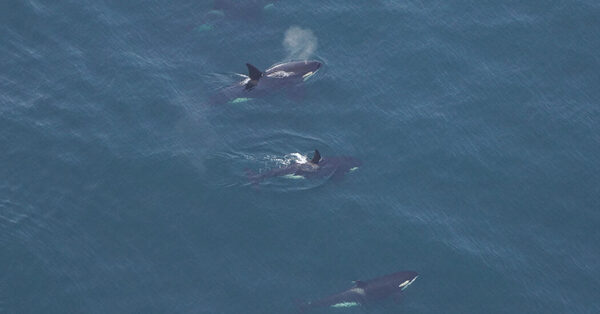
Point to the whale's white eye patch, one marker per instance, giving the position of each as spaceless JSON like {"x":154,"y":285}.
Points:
{"x":307,"y":75}
{"x":407,"y":283}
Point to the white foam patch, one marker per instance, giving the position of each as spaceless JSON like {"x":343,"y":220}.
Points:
{"x":360,"y":291}
{"x":299,"y":158}
{"x":299,"y":43}
{"x":240,"y":99}
{"x":245,"y":80}
{"x":346,"y":304}
{"x":280,"y":74}
{"x":293,"y":176}
{"x":288,"y":159}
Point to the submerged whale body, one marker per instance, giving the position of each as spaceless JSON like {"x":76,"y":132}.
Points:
{"x":241,"y":9}
{"x":258,"y":83}
{"x":317,"y":167}
{"x":391,"y":285}
{"x":234,"y":9}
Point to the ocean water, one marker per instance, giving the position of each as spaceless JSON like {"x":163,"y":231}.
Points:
{"x":123,"y":191}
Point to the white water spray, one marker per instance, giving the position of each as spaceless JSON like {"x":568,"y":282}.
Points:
{"x":299,"y":43}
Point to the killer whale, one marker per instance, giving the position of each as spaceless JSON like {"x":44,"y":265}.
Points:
{"x":260,"y":83}
{"x":317,"y":167}
{"x":362,"y":292}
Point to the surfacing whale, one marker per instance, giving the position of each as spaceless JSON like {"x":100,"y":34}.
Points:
{"x":362,"y":292}
{"x":258,"y":83}
{"x":317,"y":167}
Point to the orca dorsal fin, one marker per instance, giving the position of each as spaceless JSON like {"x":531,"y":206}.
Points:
{"x":254,"y":73}
{"x":360,"y":284}
{"x":316,"y":157}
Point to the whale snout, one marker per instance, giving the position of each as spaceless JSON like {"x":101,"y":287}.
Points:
{"x":350,"y":164}
{"x":355,"y":163}
{"x":412,"y":274}
{"x":315,"y":65}
{"x":311,"y":66}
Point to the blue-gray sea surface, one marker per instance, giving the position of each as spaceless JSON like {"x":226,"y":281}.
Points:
{"x":123,"y":191}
